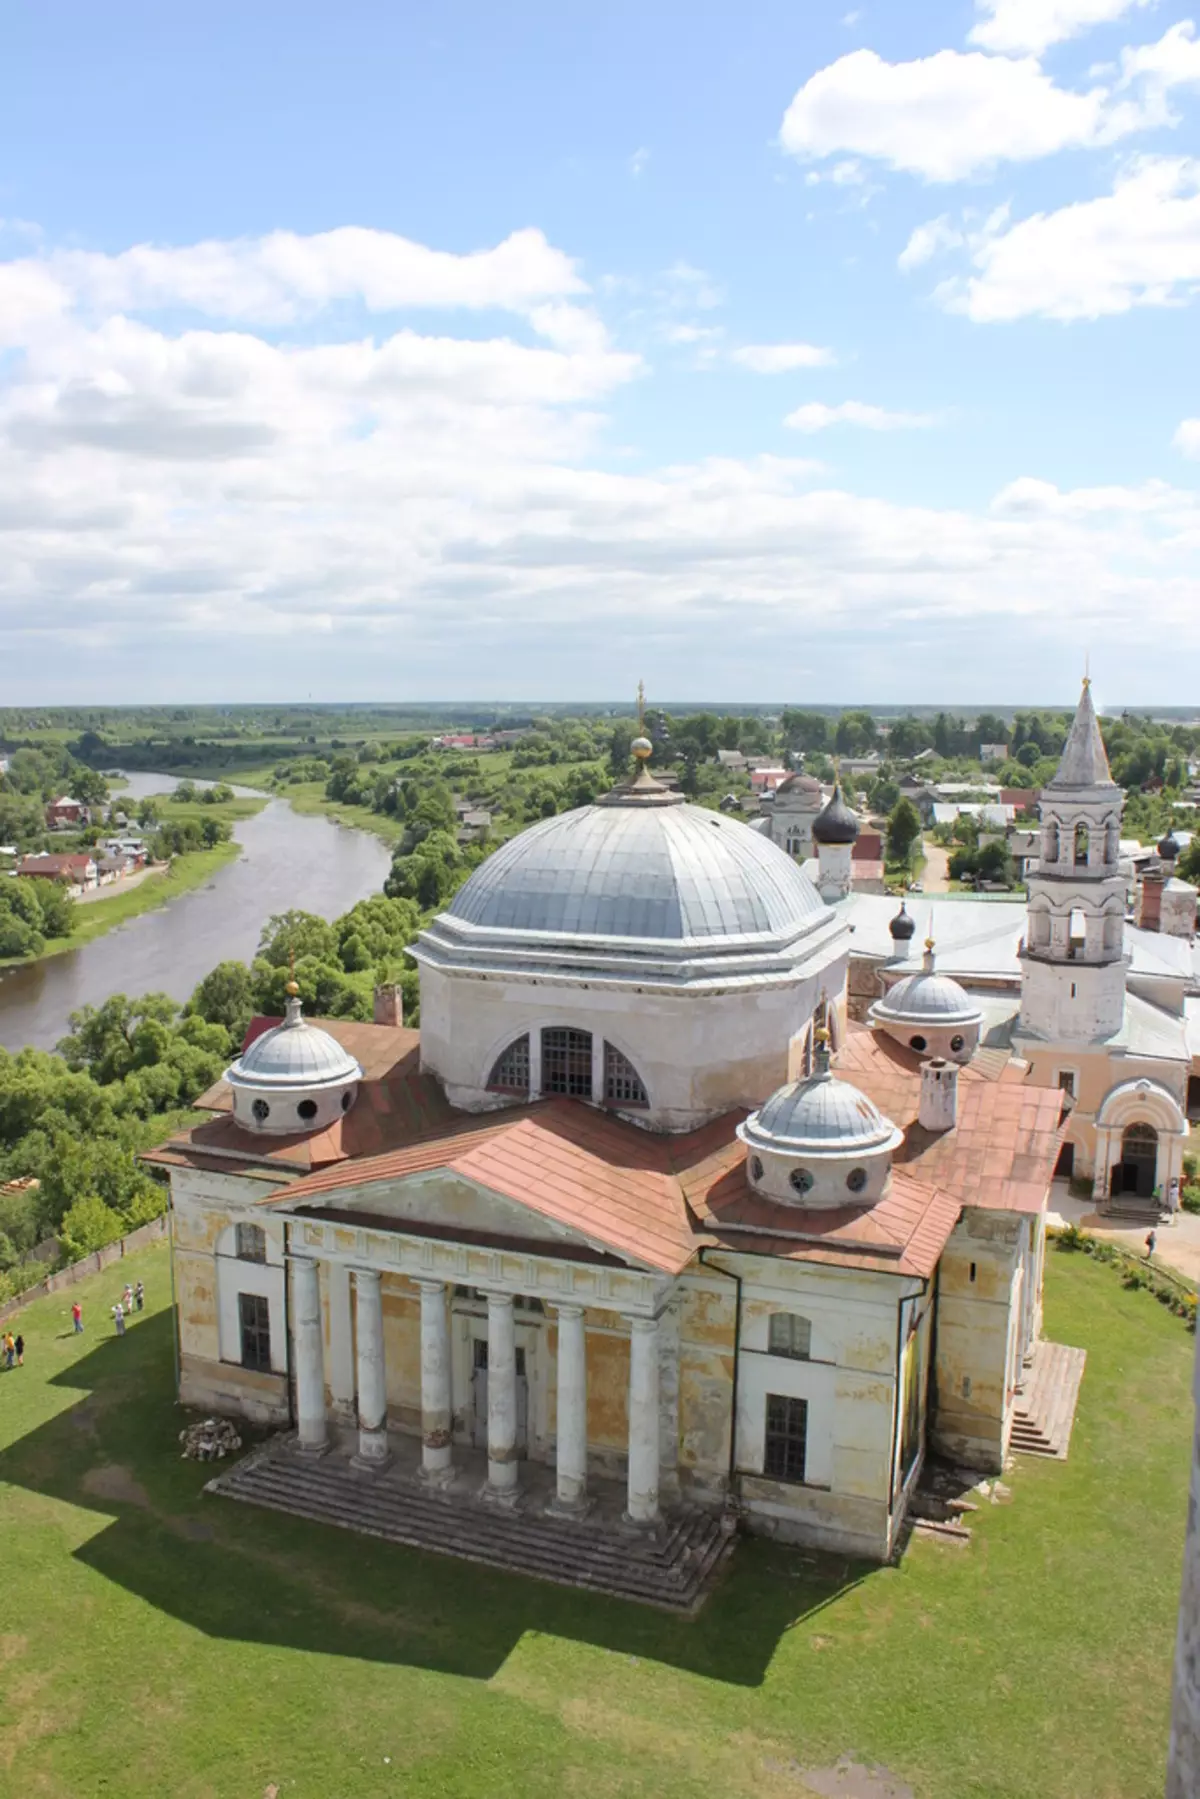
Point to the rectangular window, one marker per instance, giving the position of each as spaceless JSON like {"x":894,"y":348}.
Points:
{"x":790,"y":1335}
{"x":254,"y":1313}
{"x":567,"y":1063}
{"x":251,"y":1243}
{"x":1066,"y":1082}
{"x":787,"y":1437}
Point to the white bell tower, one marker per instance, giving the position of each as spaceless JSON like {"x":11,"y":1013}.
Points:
{"x":1073,"y":957}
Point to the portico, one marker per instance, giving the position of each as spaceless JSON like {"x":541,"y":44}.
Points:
{"x":392,"y":1267}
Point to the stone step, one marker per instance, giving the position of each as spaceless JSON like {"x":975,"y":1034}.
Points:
{"x":1045,"y":1411}
{"x":672,"y":1567}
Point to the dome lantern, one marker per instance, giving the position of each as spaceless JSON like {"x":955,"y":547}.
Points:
{"x":930,"y":1013}
{"x":294,"y":1078}
{"x":819,"y":1142}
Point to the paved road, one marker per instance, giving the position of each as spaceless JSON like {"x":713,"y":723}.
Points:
{"x":122,"y":886}
{"x":1178,"y":1243}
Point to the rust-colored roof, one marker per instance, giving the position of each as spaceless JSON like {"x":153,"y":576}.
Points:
{"x":1002,"y":1151}
{"x":377,"y":1048}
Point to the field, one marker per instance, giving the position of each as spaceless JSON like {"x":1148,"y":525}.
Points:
{"x":158,"y":1640}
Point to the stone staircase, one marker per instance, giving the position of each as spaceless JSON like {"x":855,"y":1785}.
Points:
{"x":672,"y":1567}
{"x":1046,"y":1400}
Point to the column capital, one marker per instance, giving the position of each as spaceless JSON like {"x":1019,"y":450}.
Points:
{"x":642,"y":1326}
{"x":368,"y":1275}
{"x":568,"y":1309}
{"x":500,"y":1301}
{"x":429,"y":1284}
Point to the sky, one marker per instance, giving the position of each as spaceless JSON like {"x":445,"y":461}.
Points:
{"x":764,"y":352}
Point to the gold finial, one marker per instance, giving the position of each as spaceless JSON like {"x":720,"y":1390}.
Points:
{"x":641,"y":708}
{"x":1087,"y":668}
{"x":293,"y":986}
{"x":641,"y":746}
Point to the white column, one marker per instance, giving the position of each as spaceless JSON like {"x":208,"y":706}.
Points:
{"x":571,"y":1493}
{"x":502,"y":1397}
{"x":435,"y":1382}
{"x":372,"y":1378}
{"x":310,"y":1361}
{"x":642,"y":1502}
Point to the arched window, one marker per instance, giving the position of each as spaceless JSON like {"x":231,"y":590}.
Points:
{"x":251,"y":1243}
{"x":1050,"y":843}
{"x":790,"y":1335}
{"x":1139,"y":1161}
{"x":510,"y":1072}
{"x":623,"y":1085}
{"x":567,"y":1063}
{"x":1081,"y":845}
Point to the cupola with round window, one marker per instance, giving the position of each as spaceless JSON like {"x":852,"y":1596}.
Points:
{"x":819,"y":1142}
{"x":930,"y":1014}
{"x":294,"y":1078}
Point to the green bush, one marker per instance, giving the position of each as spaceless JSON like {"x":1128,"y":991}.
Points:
{"x":1189,"y":1199}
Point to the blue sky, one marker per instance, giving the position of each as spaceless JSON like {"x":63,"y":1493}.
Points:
{"x":766,"y":352}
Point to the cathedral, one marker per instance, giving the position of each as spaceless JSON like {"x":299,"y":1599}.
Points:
{"x":642,"y":1227}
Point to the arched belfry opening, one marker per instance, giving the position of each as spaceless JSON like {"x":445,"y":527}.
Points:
{"x":1082,"y":838}
{"x":1137,"y":1171}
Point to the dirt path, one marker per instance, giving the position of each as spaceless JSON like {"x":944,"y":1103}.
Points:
{"x":934,"y":876}
{"x":122,"y":886}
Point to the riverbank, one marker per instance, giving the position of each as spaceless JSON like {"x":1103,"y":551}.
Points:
{"x":159,"y":888}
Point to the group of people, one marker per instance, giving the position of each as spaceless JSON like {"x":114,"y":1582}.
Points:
{"x":14,"y":1350}
{"x":132,"y":1300}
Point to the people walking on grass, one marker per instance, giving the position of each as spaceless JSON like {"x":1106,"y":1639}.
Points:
{"x":127,"y":1299}
{"x":77,"y":1318}
{"x":119,"y":1318}
{"x":1151,"y":1240}
{"x":19,"y":1346}
{"x":139,"y":1294}
{"x":10,"y":1349}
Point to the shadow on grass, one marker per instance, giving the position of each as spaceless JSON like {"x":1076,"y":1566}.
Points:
{"x":262,"y":1577}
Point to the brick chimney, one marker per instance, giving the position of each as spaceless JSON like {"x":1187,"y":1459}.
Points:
{"x":939,"y":1095}
{"x":389,"y":1004}
{"x":1149,"y":900}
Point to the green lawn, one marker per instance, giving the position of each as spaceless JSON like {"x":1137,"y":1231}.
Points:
{"x":160,"y":1641}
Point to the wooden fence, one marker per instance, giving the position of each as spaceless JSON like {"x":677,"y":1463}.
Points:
{"x":89,"y":1264}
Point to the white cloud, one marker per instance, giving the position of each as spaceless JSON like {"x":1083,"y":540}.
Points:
{"x":945,"y":116}
{"x":932,"y":239}
{"x":816,"y":416}
{"x":1187,"y":439}
{"x":1174,"y":61}
{"x":692,"y":334}
{"x":1137,"y":246}
{"x":199,"y":505}
{"x":1027,"y":27}
{"x":638,"y":161}
{"x":776,"y":359}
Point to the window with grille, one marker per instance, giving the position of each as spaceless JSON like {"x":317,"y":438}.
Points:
{"x":567,"y":1063}
{"x":254,"y":1314}
{"x":510,"y":1073}
{"x":787,"y":1437}
{"x":623,"y":1084}
{"x":790,"y":1335}
{"x":251,"y":1243}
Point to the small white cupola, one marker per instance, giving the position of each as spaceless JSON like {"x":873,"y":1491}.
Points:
{"x":819,"y":1142}
{"x":294,"y":1078}
{"x":930,"y":1013}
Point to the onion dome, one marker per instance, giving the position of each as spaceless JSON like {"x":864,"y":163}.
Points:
{"x":903,"y":926}
{"x":835,"y":823}
{"x":293,"y":1078}
{"x":1169,"y":846}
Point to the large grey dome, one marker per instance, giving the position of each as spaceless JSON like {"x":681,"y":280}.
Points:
{"x":293,"y":1054}
{"x":926,"y":998}
{"x":819,"y":1116}
{"x":670,"y":873}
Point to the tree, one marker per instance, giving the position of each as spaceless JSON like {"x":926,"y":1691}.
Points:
{"x":102,"y":1038}
{"x":299,"y":934}
{"x":89,"y":1224}
{"x":804,"y":730}
{"x":383,"y":926}
{"x":226,"y":997}
{"x":904,"y":830}
{"x":909,"y":736}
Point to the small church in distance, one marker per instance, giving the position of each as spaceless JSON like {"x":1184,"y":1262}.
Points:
{"x":642,"y":1235}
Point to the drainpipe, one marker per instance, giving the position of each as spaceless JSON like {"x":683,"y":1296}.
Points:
{"x":174,"y":1301}
{"x":731,"y":1475}
{"x":287,"y":1322}
{"x":912,"y":1299}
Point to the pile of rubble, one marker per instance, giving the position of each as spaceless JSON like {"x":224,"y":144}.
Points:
{"x":209,"y":1441}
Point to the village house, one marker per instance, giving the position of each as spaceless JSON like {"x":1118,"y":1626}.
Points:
{"x":641,"y":1225}
{"x":78,"y":873}
{"x":66,"y":814}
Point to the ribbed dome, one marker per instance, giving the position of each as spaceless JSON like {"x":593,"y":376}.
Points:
{"x":819,"y":1116}
{"x":903,"y":926}
{"x":665,"y":873}
{"x":835,"y":823}
{"x":926,"y":998}
{"x":294,"y":1054}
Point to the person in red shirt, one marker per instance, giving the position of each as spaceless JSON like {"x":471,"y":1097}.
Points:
{"x":77,"y":1317}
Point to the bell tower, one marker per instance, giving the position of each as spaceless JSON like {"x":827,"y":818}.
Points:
{"x":1073,"y":957}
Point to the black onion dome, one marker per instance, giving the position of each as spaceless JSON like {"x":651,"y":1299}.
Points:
{"x":835,"y":823}
{"x":1168,"y":847}
{"x":903,"y":926}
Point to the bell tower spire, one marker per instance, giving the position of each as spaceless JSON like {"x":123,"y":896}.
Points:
{"x":1073,"y":956}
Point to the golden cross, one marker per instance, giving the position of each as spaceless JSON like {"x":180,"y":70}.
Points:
{"x":641,"y":708}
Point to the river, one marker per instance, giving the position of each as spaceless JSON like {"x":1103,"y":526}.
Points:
{"x":287,"y":860}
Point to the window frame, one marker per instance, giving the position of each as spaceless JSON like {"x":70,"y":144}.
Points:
{"x":785,"y":1439}
{"x":243,"y":1232}
{"x":619,"y":1070}
{"x":255,"y":1330}
{"x":781,"y":1324}
{"x":571,"y":1052}
{"x":514,"y":1050}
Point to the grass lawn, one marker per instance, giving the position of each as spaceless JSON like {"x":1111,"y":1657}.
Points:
{"x":158,"y":1640}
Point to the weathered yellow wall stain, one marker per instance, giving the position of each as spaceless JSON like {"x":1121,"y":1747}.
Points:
{"x":608,"y":1391}
{"x":705,"y":1396}
{"x":707,"y":1317}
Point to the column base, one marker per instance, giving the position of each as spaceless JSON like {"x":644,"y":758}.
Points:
{"x":437,"y":1477}
{"x":509,"y":1499}
{"x":641,"y":1527}
{"x":574,"y":1510}
{"x":370,"y":1464}
{"x":310,"y":1451}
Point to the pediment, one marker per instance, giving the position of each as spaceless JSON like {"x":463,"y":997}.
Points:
{"x":449,"y":1202}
